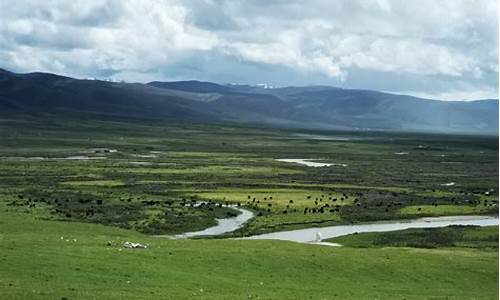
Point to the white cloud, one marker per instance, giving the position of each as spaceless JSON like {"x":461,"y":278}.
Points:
{"x":146,"y":34}
{"x":455,"y":95}
{"x":455,"y":41}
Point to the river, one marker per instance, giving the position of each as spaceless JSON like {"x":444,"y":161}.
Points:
{"x":309,"y":234}
{"x":223,"y":225}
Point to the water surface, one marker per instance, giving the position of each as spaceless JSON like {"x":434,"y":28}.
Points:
{"x":223,"y":225}
{"x":308,"y":235}
{"x":309,"y":162}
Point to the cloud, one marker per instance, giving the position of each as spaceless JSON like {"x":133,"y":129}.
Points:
{"x":428,"y":47}
{"x":464,"y":94}
{"x":91,"y":36}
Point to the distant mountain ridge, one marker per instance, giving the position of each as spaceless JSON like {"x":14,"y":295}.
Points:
{"x":45,"y":94}
{"x":194,"y":86}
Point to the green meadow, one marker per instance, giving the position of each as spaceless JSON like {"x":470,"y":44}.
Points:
{"x":43,"y":259}
{"x":72,"y":192}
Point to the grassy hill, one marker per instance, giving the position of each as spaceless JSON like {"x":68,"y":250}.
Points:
{"x":59,"y":260}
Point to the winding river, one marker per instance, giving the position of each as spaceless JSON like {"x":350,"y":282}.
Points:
{"x":308,"y":235}
{"x":223,"y":225}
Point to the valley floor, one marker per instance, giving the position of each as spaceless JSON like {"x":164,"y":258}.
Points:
{"x":71,"y":192}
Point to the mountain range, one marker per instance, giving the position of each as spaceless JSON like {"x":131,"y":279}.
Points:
{"x":35,"y":95}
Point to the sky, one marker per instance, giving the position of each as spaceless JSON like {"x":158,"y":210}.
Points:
{"x":446,"y":49}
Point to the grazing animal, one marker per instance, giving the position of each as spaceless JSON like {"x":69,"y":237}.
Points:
{"x":319,"y":237}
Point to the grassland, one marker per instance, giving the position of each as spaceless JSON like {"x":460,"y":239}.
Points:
{"x":443,"y":210}
{"x":43,"y":259}
{"x":143,"y":175}
{"x":484,"y":238}
{"x":68,"y":187}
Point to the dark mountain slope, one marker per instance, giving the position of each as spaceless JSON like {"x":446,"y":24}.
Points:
{"x":328,"y":107}
{"x":371,"y":109}
{"x":193,"y":86}
{"x":41,"y":94}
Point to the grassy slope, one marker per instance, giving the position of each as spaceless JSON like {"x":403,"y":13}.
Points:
{"x":37,"y":263}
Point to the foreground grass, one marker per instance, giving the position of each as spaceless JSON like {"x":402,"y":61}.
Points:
{"x":57,"y":260}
